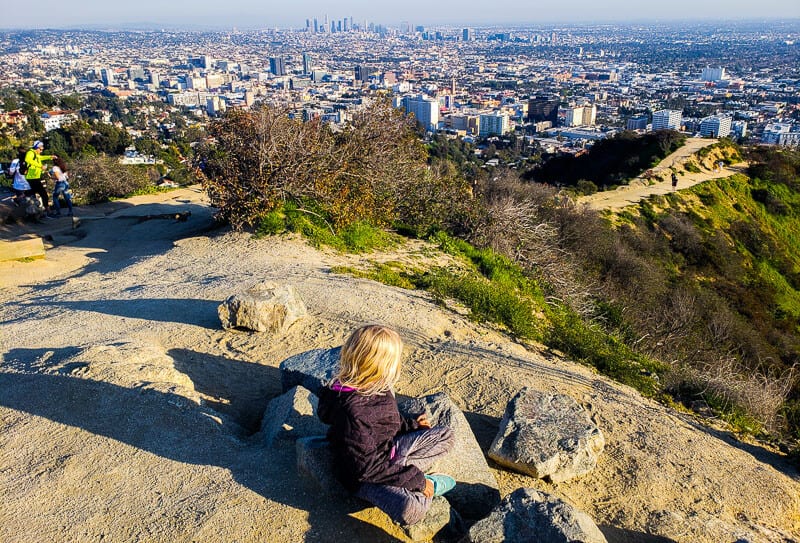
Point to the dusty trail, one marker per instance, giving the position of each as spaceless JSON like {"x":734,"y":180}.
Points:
{"x":640,"y":188}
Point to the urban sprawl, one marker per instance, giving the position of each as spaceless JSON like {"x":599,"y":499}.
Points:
{"x":558,"y":87}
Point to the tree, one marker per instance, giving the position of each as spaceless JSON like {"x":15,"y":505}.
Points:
{"x":373,"y":170}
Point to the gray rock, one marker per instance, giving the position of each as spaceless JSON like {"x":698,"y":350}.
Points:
{"x":547,"y":436}
{"x":309,"y":369}
{"x":476,"y":491}
{"x":266,"y":307}
{"x":291,"y":416}
{"x":436,"y":519}
{"x":529,"y":516}
{"x":315,"y":461}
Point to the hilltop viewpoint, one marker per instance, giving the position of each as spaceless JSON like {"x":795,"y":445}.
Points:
{"x":127,"y":413}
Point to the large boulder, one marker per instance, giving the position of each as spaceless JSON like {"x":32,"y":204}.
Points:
{"x":530,"y":516}
{"x":547,"y":436}
{"x":309,"y":369}
{"x":266,"y":307}
{"x":291,"y":416}
{"x":315,"y":462}
{"x":476,"y":491}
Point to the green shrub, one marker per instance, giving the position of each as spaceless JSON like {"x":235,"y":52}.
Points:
{"x":593,"y":347}
{"x":585,"y":187}
{"x":487,"y":300}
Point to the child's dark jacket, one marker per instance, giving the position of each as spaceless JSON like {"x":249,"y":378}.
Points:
{"x":361,"y":433}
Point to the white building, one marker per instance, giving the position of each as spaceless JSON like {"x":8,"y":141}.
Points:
{"x":53,"y":120}
{"x":781,"y":134}
{"x":573,"y":116}
{"x":426,"y":110}
{"x":494,"y":124}
{"x":713,"y":74}
{"x":715,"y":126}
{"x":667,"y":119}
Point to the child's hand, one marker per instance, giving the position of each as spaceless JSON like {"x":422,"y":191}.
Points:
{"x":428,"y":492}
{"x":423,"y":421}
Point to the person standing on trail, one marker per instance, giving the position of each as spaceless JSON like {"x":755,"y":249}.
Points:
{"x":33,"y":159}
{"x":674,"y":180}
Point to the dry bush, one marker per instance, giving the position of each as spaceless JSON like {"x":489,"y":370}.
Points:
{"x":760,"y":393}
{"x":373,"y":170}
{"x":98,"y":178}
{"x":517,"y":222}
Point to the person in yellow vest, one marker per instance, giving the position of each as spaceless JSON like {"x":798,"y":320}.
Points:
{"x":34,"y":159}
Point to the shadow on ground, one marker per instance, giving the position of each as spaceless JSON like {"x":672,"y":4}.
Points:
{"x":184,"y":435}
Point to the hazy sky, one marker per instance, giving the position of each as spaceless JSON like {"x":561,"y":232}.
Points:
{"x":293,"y":13}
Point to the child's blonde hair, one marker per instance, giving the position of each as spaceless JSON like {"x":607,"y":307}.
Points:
{"x":370,"y":360}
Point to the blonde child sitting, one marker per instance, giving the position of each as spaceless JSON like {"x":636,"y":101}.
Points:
{"x":379,"y":455}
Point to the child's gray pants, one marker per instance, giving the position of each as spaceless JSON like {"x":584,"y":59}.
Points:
{"x":421,"y":448}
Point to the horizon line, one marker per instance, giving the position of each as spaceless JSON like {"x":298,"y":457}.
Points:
{"x":149,"y":26}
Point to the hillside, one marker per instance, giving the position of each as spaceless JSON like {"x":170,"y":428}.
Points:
{"x":126,"y":409}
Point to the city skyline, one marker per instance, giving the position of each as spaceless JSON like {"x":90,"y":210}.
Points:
{"x":249,"y":14}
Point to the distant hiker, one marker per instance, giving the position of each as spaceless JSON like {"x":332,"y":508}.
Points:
{"x":61,"y":188}
{"x":33,"y":160}
{"x":674,"y":180}
{"x":380,"y":455}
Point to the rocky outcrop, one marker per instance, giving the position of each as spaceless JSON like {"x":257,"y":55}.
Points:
{"x":266,"y":307}
{"x":291,"y":416}
{"x":309,"y":369}
{"x":529,"y":516}
{"x":476,"y":491}
{"x":547,"y":436}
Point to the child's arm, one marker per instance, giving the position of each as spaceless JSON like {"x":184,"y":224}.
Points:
{"x":369,"y":465}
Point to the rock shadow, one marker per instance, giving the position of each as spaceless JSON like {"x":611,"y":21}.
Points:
{"x":30,"y":360}
{"x":202,"y":313}
{"x":164,"y":425}
{"x":239,"y":389}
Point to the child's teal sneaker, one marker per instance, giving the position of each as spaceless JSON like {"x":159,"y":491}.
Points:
{"x":441,"y":483}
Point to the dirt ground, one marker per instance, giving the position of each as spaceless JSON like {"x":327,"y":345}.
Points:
{"x":127,"y":413}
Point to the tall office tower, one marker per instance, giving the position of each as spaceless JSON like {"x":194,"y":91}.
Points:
{"x":589,"y":115}
{"x":361,"y":72}
{"x":339,"y":25}
{"x":306,"y":63}
{"x":667,"y":119}
{"x":316,"y":25}
{"x":553,"y":37}
{"x":543,"y":108}
{"x":277,"y":66}
{"x":466,"y":34}
{"x":107,"y":75}
{"x":155,"y":78}
{"x":405,"y":27}
{"x":346,"y":24}
{"x":308,"y":25}
{"x":206,"y":62}
{"x":713,"y":74}
{"x":351,"y":24}
{"x":426,"y":111}
{"x":715,"y":126}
